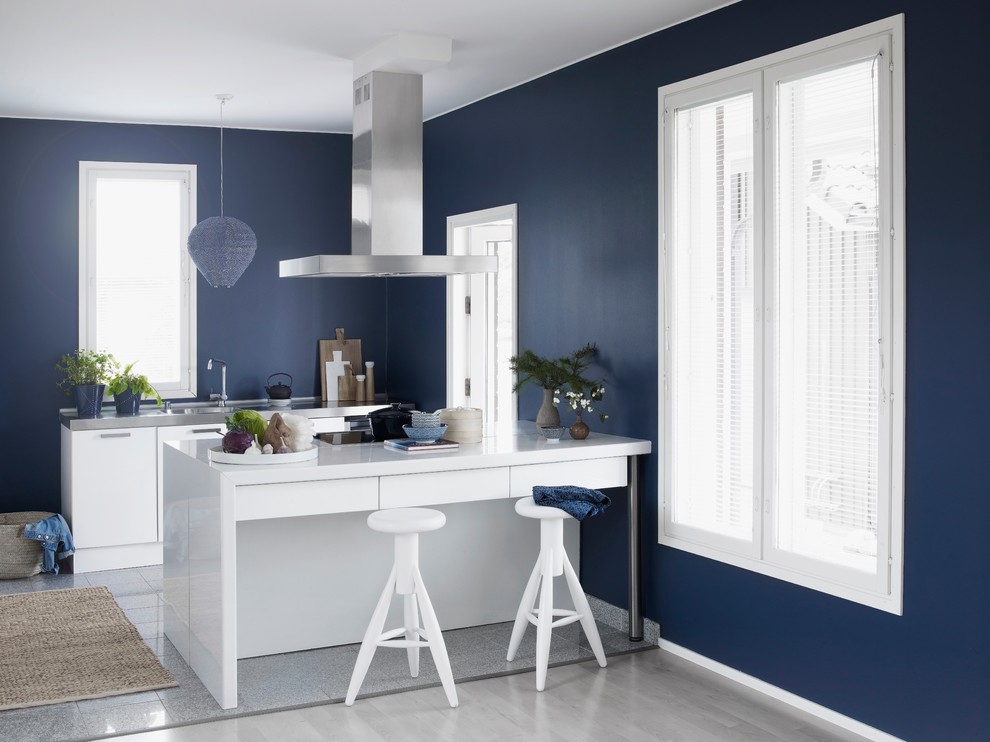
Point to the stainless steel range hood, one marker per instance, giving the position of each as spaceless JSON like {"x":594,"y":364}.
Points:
{"x":387,"y":190}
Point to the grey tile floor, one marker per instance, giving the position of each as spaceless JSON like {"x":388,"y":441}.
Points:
{"x":277,"y":681}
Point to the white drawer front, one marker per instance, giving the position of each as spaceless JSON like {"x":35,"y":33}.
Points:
{"x":594,"y":473}
{"x":258,"y":501}
{"x":439,"y":488}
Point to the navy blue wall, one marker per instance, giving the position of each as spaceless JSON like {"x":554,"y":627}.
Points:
{"x":577,"y":150}
{"x":294,"y":191}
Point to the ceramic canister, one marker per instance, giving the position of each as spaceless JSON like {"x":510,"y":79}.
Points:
{"x":464,"y":424}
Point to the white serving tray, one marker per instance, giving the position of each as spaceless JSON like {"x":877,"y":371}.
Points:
{"x":217,"y":454}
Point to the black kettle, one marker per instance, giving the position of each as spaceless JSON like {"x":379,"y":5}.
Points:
{"x":280,"y":390}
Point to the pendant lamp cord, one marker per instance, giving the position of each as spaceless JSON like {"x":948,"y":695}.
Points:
{"x":222,"y":101}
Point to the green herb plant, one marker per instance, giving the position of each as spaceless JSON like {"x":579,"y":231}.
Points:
{"x":138,"y":384}
{"x":82,"y":367}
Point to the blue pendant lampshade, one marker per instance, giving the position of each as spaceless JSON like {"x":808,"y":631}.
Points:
{"x":222,"y":247}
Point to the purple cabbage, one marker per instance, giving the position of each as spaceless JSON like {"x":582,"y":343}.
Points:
{"x":237,"y":441}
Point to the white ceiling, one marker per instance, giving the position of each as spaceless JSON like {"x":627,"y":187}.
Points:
{"x":286,"y":62}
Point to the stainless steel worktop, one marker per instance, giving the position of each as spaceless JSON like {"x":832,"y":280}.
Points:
{"x":192,"y":413}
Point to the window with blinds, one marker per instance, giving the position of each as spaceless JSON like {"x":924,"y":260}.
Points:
{"x":782,"y":315}
{"x":137,"y":287}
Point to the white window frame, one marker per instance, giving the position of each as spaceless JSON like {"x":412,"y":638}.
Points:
{"x":89,"y":172}
{"x":885,"y":592}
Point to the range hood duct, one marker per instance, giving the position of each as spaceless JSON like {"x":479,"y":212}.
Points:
{"x":387,"y":190}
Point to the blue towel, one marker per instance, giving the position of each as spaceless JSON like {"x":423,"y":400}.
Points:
{"x":579,"y":502}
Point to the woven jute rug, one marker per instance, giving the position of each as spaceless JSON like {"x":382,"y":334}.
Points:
{"x":67,"y":645}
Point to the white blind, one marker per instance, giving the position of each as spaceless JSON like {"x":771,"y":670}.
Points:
{"x":138,"y":279}
{"x":825,"y":345}
{"x":711,"y":318}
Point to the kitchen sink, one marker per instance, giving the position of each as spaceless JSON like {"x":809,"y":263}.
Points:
{"x":198,"y":411}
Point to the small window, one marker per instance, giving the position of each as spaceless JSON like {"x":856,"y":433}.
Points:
{"x":137,"y":287}
{"x":782,"y":315}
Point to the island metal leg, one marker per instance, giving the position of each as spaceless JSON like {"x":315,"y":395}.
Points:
{"x":635,"y":604}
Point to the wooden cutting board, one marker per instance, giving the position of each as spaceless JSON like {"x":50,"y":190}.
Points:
{"x":350,"y":349}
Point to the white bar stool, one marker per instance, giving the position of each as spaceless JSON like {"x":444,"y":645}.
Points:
{"x":405,"y":579}
{"x":551,"y":563}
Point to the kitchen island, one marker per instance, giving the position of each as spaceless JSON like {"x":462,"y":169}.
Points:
{"x":264,"y":559}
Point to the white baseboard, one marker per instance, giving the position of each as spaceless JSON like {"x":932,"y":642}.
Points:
{"x":803,"y":704}
{"x":98,"y":559}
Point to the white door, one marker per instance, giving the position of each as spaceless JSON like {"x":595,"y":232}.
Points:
{"x":481,"y":317}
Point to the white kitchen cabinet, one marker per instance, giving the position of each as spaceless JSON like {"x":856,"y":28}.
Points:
{"x":110,"y":497}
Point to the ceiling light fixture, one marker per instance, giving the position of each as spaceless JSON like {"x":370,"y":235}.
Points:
{"x":222,"y":247}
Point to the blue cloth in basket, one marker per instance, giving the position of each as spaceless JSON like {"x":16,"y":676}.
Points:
{"x":56,"y":540}
{"x":579,"y":502}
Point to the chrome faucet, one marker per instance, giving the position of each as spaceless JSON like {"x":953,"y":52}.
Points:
{"x":221,"y":398}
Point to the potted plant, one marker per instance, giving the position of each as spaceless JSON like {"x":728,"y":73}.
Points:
{"x":581,"y":399}
{"x":85,"y":374}
{"x":128,"y":388}
{"x":552,"y":374}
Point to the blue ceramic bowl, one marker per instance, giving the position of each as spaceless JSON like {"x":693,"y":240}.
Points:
{"x":425,"y":435}
{"x":552,"y":433}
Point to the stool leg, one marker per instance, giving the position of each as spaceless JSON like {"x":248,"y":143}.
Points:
{"x":544,"y":620}
{"x":370,"y":642}
{"x":581,"y":604}
{"x":525,"y":606}
{"x":435,"y":637}
{"x":411,"y":614}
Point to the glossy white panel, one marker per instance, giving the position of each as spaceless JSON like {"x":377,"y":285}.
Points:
{"x":203,"y":431}
{"x":180,"y":474}
{"x":306,"y":498}
{"x":114,"y":487}
{"x":313,"y":582}
{"x":596,"y":473}
{"x":438,"y":488}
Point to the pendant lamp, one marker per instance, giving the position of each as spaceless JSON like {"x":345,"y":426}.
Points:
{"x":222,"y":247}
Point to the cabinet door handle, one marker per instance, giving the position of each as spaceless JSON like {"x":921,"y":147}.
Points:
{"x":206,"y":430}
{"x":115,"y":435}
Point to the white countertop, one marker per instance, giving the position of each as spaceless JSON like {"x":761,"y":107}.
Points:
{"x":373,"y":459}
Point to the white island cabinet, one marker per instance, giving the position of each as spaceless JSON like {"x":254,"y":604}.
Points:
{"x":112,"y":473}
{"x":265,"y":559}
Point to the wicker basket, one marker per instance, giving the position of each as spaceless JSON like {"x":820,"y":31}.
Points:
{"x":19,"y":557}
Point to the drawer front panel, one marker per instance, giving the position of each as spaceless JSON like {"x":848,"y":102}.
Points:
{"x":594,"y":473}
{"x":442,"y":487}
{"x":306,"y":498}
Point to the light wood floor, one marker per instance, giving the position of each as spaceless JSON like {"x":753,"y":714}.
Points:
{"x":643,"y":696}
